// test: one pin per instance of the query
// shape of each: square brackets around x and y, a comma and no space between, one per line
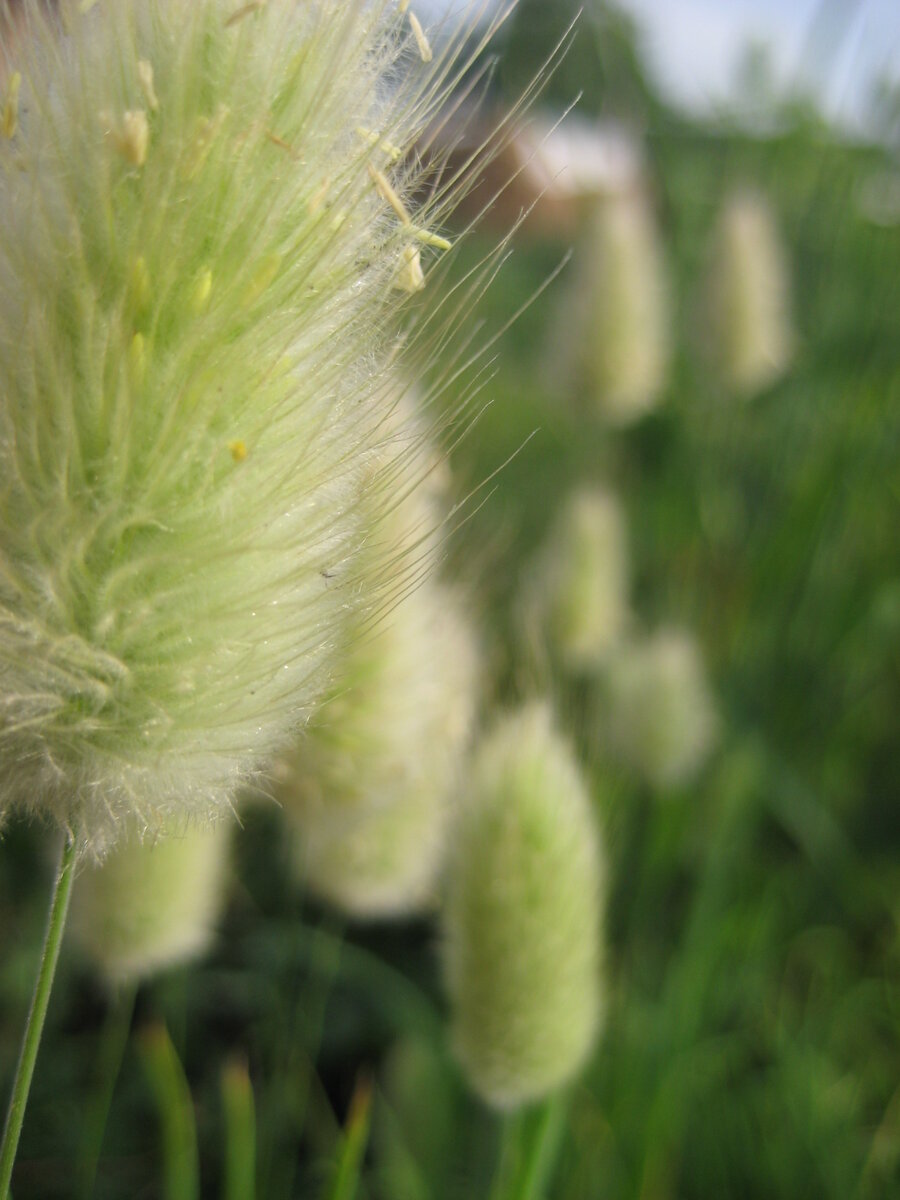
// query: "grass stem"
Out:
[56,923]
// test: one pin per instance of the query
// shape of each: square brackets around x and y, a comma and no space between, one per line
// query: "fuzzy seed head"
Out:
[749,296]
[663,720]
[522,917]
[152,905]
[576,597]
[193,356]
[618,310]
[369,785]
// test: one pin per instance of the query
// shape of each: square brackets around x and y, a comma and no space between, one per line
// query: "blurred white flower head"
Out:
[369,786]
[750,333]
[576,595]
[152,905]
[612,340]
[662,717]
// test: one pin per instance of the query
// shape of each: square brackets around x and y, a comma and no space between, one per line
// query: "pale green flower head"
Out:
[522,921]
[369,784]
[152,905]
[208,230]
[576,596]
[617,316]
[662,715]
[750,329]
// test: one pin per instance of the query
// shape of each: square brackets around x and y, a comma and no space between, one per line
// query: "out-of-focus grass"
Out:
[752,1044]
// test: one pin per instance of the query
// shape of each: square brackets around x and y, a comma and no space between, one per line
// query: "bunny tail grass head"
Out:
[750,334]
[209,215]
[576,597]
[662,718]
[616,316]
[523,913]
[152,905]
[368,784]
[369,788]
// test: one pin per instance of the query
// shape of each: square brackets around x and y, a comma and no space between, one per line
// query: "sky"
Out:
[839,46]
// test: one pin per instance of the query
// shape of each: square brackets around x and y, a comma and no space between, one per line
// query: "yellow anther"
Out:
[410,277]
[201,291]
[145,79]
[238,450]
[386,191]
[86,5]
[337,220]
[263,278]
[393,152]
[244,11]
[130,136]
[317,199]
[206,129]
[425,52]
[431,239]
[139,284]
[9,119]
[137,358]
[403,5]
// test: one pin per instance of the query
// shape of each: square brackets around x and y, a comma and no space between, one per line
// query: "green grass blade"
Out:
[353,1144]
[165,1075]
[240,1133]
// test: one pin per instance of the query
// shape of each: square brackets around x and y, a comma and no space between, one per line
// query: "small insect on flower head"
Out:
[201,261]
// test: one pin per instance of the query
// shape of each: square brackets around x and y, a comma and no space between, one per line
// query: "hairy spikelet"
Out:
[576,596]
[152,905]
[750,334]
[207,234]
[522,916]
[369,784]
[662,719]
[615,329]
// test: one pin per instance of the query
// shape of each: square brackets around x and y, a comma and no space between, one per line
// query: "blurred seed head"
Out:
[662,717]
[576,595]
[152,905]
[615,326]
[201,262]
[523,914]
[369,784]
[750,332]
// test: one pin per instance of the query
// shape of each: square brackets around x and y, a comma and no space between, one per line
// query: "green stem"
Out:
[56,923]
[240,1133]
[528,1155]
[540,1156]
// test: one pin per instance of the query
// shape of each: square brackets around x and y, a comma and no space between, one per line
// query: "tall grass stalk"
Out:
[56,923]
